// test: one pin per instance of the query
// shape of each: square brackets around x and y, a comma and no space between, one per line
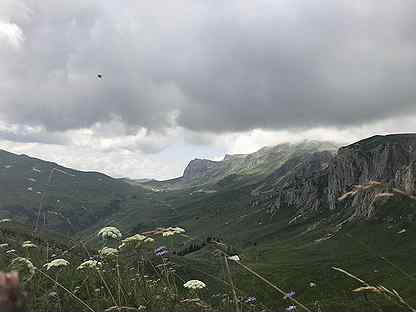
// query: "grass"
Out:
[373,251]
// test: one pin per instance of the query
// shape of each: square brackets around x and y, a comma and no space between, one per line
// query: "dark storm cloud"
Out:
[22,135]
[211,66]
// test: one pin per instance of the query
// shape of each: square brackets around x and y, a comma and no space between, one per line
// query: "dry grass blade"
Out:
[68,291]
[387,293]
[237,308]
[122,308]
[351,275]
[273,286]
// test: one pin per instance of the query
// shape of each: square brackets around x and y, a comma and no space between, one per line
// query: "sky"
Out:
[191,79]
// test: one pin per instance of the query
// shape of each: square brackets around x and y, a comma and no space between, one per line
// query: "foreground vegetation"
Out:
[141,272]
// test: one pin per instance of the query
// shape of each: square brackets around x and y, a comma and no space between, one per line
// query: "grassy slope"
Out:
[73,200]
[372,251]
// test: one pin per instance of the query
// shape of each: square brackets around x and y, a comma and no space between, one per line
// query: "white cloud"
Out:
[11,33]
[251,141]
[198,78]
[117,163]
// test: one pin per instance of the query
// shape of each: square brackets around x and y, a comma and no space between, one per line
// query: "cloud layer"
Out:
[199,69]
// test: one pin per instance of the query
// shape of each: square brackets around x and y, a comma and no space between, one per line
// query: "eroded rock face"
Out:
[302,186]
[369,172]
[405,178]
[378,158]
[198,168]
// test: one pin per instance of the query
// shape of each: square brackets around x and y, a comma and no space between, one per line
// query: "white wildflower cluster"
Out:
[57,263]
[89,264]
[108,252]
[194,284]
[109,232]
[53,294]
[28,245]
[24,266]
[136,241]
[234,258]
[172,231]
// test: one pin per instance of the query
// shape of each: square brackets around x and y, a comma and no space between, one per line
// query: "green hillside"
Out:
[62,199]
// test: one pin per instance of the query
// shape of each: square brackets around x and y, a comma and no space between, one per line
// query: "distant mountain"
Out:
[243,196]
[58,198]
[204,172]
[355,182]
[137,181]
[303,184]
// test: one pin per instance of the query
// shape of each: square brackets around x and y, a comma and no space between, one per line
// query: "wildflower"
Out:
[234,258]
[57,263]
[10,251]
[290,295]
[312,284]
[89,264]
[194,284]
[172,231]
[291,308]
[251,300]
[168,233]
[177,230]
[25,268]
[134,238]
[109,232]
[161,251]
[29,244]
[108,252]
[136,241]
[53,294]
[4,245]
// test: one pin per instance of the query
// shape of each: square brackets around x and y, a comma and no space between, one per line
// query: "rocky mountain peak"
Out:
[197,168]
[378,158]
[234,156]
[355,179]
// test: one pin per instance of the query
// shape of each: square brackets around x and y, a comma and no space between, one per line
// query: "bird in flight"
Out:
[100,76]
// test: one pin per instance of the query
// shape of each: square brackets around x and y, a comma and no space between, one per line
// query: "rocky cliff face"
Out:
[301,184]
[405,178]
[355,180]
[200,168]
[379,158]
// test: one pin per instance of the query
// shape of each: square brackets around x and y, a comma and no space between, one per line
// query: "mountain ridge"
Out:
[277,184]
[205,172]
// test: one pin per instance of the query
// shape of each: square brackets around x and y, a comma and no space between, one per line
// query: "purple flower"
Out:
[251,300]
[161,251]
[290,295]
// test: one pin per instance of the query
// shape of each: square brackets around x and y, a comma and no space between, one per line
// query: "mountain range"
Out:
[283,184]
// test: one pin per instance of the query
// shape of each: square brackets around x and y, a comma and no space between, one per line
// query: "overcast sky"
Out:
[199,78]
